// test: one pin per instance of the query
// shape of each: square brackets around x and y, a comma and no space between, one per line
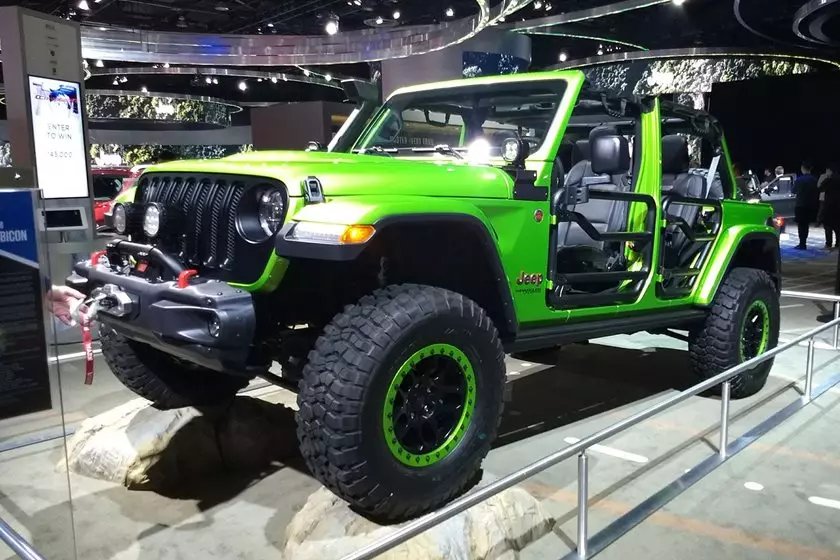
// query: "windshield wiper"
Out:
[443,149]
[378,151]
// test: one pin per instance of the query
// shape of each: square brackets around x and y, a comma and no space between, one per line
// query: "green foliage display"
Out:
[156,108]
[134,154]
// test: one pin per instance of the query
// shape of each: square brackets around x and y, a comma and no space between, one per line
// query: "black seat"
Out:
[602,214]
[578,251]
[675,164]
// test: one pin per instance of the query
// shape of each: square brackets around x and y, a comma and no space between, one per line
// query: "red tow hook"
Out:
[95,256]
[184,277]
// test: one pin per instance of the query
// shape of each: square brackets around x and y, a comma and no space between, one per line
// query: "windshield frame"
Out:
[565,87]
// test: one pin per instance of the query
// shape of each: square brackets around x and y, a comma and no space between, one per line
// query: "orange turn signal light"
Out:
[357,234]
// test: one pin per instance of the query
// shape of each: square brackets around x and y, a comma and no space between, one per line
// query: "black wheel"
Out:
[163,380]
[401,399]
[742,324]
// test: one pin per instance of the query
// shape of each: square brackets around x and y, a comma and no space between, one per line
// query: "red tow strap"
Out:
[87,346]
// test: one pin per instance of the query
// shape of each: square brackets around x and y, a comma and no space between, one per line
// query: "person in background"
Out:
[821,212]
[807,203]
[830,189]
[740,182]
[779,171]
[768,176]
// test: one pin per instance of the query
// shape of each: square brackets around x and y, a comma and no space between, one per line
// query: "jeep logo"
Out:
[532,279]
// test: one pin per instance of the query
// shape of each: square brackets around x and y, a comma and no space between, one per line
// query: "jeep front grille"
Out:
[201,221]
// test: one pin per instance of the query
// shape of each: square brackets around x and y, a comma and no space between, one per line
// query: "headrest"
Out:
[610,154]
[603,130]
[580,151]
[675,158]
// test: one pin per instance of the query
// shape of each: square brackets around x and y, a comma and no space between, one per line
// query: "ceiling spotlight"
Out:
[208,80]
[285,78]
[397,14]
[547,7]
[274,79]
[563,57]
[259,80]
[242,86]
[218,8]
[600,52]
[357,2]
[502,19]
[123,80]
[83,5]
[116,81]
[166,65]
[678,2]
[538,5]
[100,64]
[379,20]
[306,73]
[332,25]
[144,89]
[215,81]
[328,77]
[270,25]
[450,12]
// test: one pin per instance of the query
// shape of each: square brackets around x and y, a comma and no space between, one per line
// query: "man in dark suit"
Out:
[807,202]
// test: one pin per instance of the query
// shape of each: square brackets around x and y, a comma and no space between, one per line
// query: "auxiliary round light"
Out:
[515,151]
[152,220]
[119,216]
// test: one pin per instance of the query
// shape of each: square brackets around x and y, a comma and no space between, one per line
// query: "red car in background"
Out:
[108,183]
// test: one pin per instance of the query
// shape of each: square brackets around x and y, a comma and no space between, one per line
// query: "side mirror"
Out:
[360,91]
[610,155]
[314,146]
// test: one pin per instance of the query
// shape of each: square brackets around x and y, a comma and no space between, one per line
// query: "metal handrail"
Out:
[469,500]
[17,543]
[820,297]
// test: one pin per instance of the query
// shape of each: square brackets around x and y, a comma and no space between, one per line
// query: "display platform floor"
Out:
[780,498]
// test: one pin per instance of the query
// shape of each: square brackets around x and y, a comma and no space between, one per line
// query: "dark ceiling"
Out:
[297,17]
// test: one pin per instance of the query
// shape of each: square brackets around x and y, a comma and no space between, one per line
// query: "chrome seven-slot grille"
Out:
[201,210]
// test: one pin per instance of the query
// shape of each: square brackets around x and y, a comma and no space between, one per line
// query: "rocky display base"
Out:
[144,448]
[497,529]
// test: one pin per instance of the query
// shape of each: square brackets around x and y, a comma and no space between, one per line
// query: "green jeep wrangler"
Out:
[389,276]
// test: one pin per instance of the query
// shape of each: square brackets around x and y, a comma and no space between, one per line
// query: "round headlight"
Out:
[152,220]
[119,217]
[271,210]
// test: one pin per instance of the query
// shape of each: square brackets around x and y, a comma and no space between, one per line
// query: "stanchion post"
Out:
[836,327]
[583,506]
[724,417]
[809,370]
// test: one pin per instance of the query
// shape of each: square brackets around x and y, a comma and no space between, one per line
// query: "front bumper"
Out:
[176,320]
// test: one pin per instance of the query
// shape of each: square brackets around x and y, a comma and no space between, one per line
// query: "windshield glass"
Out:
[412,124]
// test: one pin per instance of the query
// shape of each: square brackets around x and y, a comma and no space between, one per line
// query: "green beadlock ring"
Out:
[454,438]
[765,327]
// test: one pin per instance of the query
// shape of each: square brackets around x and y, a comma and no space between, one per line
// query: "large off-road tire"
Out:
[161,379]
[401,399]
[742,323]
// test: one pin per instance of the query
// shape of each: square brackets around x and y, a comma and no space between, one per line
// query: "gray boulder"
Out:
[497,529]
[141,447]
